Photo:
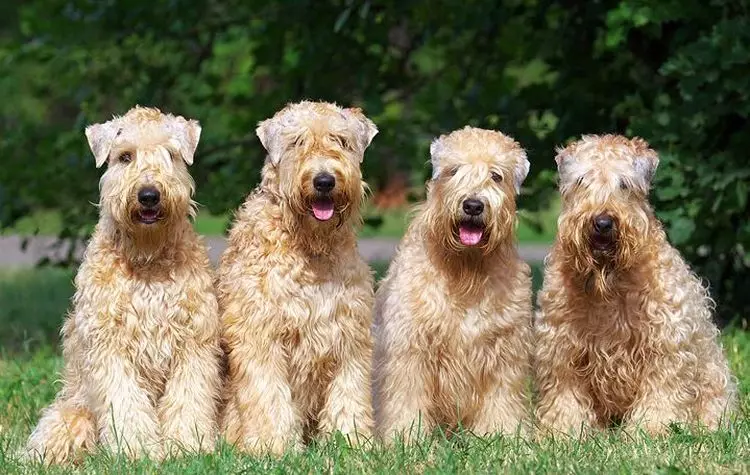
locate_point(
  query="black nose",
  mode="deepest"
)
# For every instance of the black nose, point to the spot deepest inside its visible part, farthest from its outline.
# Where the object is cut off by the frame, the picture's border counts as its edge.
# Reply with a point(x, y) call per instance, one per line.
point(149, 196)
point(324, 182)
point(603, 224)
point(473, 207)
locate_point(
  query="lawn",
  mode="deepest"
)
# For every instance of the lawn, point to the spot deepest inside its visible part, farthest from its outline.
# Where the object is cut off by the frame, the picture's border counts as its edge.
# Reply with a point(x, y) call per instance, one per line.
point(32, 303)
point(388, 225)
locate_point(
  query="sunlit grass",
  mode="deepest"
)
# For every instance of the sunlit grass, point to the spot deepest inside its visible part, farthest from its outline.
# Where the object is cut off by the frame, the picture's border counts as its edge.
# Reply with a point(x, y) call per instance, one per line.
point(33, 302)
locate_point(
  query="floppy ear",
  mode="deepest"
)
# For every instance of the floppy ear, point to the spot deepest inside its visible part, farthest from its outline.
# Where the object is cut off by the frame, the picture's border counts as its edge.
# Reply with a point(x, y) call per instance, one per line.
point(185, 136)
point(562, 156)
point(100, 138)
point(268, 133)
point(646, 161)
point(437, 149)
point(365, 128)
point(521, 171)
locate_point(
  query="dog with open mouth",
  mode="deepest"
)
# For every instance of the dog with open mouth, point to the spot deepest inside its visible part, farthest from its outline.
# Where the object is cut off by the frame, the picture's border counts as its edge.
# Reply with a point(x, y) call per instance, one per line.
point(453, 315)
point(141, 343)
point(624, 331)
point(295, 295)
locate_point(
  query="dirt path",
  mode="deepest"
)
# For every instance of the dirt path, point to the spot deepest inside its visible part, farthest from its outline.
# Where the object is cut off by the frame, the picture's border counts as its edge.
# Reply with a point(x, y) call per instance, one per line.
point(372, 249)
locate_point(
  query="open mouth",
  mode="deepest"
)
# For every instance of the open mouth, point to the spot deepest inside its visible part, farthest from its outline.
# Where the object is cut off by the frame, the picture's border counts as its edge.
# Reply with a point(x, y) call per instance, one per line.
point(149, 215)
point(322, 209)
point(470, 234)
point(600, 242)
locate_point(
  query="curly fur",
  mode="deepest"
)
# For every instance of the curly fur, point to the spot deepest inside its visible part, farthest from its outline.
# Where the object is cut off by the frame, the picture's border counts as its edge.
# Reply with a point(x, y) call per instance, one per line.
point(452, 322)
point(141, 343)
point(295, 296)
point(624, 335)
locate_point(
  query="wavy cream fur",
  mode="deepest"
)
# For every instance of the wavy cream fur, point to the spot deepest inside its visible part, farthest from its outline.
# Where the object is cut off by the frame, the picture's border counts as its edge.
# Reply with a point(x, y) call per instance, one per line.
point(630, 337)
point(295, 296)
point(453, 324)
point(141, 342)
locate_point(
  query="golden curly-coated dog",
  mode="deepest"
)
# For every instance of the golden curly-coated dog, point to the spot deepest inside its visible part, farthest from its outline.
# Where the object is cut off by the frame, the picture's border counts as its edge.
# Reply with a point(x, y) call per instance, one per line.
point(453, 315)
point(295, 296)
point(141, 343)
point(624, 331)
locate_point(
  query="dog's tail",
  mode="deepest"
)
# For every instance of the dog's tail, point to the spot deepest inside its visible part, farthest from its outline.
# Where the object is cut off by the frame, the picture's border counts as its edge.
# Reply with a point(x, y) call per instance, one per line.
point(65, 432)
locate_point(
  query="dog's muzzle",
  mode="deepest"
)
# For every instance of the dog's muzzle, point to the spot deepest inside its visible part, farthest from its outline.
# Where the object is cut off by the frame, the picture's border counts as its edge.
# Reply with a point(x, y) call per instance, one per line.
point(323, 205)
point(149, 199)
point(471, 225)
point(603, 232)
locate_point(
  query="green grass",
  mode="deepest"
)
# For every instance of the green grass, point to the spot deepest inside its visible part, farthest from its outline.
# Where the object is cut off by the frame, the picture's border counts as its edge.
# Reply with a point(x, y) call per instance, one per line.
point(389, 225)
point(32, 303)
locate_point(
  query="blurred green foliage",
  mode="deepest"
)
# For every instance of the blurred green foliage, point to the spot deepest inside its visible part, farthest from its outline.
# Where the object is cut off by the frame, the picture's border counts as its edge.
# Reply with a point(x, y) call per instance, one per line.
point(674, 72)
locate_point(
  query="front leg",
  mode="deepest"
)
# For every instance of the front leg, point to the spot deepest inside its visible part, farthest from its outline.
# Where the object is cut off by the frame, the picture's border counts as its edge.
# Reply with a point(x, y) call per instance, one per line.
point(565, 404)
point(663, 397)
point(403, 403)
point(505, 406)
point(188, 408)
point(126, 417)
point(348, 405)
point(260, 414)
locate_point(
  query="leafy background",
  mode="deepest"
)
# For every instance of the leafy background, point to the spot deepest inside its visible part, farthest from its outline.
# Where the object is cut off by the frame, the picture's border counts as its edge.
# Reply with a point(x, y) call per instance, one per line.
point(673, 72)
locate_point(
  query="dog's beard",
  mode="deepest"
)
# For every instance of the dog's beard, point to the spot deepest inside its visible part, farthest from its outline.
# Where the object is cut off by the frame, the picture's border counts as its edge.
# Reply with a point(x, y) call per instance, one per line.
point(600, 262)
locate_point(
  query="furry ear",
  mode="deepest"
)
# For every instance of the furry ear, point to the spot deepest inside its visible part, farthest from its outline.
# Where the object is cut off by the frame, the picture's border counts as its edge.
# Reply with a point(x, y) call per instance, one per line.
point(185, 136)
point(437, 148)
point(521, 171)
point(646, 161)
point(101, 137)
point(366, 128)
point(561, 157)
point(268, 132)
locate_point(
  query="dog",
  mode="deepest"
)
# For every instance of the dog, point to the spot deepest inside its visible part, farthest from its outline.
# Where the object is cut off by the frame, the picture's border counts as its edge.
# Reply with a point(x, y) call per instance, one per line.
point(295, 296)
point(453, 314)
point(624, 331)
point(142, 342)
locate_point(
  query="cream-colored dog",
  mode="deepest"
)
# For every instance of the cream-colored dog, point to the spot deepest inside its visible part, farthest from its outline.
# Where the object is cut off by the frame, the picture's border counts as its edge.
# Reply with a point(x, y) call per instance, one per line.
point(624, 332)
point(295, 296)
point(141, 343)
point(453, 315)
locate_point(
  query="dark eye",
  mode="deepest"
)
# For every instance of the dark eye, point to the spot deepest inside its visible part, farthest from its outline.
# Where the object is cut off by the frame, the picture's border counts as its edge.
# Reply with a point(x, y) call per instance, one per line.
point(579, 181)
point(496, 177)
point(343, 142)
point(623, 185)
point(451, 172)
point(125, 157)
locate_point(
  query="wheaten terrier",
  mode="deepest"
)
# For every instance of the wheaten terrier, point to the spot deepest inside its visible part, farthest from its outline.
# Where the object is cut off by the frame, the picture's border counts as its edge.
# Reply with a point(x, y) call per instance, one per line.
point(624, 331)
point(295, 296)
point(142, 341)
point(453, 315)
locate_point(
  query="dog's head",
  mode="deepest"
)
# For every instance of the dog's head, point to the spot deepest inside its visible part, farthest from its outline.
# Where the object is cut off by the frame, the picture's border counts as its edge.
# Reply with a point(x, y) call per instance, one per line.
point(147, 186)
point(471, 202)
point(315, 150)
point(604, 183)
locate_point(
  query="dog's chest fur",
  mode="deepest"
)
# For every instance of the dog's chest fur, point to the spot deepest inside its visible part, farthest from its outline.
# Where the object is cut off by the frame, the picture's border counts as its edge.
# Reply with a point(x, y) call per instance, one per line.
point(321, 306)
point(613, 358)
point(143, 318)
point(460, 346)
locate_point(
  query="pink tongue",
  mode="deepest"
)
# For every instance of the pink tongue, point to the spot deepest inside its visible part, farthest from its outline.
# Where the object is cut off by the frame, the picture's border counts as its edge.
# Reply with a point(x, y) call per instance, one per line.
point(470, 236)
point(323, 210)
